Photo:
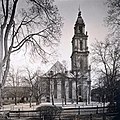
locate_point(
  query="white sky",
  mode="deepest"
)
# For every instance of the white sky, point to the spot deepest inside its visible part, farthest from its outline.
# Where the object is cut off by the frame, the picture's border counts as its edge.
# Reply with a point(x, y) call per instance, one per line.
point(93, 13)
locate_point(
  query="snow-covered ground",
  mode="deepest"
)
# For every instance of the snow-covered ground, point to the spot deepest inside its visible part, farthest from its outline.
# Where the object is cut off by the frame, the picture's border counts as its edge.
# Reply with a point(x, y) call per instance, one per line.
point(26, 106)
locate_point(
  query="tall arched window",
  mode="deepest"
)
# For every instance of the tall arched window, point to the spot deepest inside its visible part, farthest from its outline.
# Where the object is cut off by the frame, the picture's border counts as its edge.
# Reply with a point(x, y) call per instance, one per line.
point(81, 45)
point(80, 29)
point(81, 64)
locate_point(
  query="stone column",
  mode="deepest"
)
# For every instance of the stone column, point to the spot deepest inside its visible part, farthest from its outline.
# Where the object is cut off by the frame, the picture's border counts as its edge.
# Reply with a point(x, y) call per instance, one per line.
point(89, 85)
point(55, 88)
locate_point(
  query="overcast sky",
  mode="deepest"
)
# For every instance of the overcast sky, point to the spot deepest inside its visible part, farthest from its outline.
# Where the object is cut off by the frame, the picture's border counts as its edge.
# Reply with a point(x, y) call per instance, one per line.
point(93, 13)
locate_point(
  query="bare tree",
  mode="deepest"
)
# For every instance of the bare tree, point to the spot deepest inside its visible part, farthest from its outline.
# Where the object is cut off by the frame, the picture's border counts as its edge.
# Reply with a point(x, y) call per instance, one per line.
point(64, 74)
point(33, 23)
point(39, 89)
point(29, 80)
point(113, 16)
point(13, 83)
point(36, 85)
point(106, 57)
point(113, 19)
point(100, 88)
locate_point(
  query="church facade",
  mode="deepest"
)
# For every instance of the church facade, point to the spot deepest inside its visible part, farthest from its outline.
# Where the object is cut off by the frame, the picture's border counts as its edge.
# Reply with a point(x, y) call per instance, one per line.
point(73, 85)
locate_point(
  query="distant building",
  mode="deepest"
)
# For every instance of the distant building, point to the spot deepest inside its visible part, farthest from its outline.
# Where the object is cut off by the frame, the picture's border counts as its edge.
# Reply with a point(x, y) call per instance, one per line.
point(17, 94)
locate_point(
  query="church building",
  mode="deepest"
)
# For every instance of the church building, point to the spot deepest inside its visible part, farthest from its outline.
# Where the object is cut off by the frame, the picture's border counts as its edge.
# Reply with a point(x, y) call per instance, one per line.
point(79, 60)
point(73, 85)
point(60, 84)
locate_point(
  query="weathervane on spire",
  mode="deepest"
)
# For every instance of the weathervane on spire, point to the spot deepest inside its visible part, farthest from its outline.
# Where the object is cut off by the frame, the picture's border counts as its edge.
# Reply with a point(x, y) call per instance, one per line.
point(79, 8)
point(79, 14)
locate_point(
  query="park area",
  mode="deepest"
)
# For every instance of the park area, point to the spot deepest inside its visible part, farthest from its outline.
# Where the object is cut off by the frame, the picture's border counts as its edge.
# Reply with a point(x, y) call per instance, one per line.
point(47, 111)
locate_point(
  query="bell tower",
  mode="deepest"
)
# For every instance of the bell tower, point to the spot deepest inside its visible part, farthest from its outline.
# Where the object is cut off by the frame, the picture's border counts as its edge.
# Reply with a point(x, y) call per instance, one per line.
point(79, 57)
point(79, 60)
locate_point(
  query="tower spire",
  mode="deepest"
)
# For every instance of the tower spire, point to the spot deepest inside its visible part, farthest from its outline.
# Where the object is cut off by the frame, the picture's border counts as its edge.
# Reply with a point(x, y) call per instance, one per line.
point(79, 12)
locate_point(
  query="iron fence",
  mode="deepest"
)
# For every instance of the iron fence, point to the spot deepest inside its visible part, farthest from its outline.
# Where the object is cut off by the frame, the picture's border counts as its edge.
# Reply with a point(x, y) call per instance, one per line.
point(87, 113)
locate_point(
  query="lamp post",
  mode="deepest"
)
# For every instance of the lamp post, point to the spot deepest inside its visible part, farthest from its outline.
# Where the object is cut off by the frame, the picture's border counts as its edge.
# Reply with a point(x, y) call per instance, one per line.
point(30, 99)
point(0, 94)
point(78, 83)
point(89, 85)
point(51, 88)
point(76, 80)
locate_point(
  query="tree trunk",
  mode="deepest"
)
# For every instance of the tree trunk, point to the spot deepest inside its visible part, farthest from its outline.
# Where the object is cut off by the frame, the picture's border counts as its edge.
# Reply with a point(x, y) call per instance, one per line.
point(30, 101)
point(52, 99)
point(37, 101)
point(15, 100)
point(0, 96)
point(65, 97)
point(1, 57)
point(40, 99)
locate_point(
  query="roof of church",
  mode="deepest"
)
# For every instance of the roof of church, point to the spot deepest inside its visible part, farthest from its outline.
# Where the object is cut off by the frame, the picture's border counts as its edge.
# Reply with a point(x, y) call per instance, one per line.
point(58, 68)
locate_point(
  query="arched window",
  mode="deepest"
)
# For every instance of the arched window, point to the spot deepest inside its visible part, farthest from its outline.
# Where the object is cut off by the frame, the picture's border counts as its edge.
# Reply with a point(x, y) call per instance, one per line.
point(81, 64)
point(81, 45)
point(80, 29)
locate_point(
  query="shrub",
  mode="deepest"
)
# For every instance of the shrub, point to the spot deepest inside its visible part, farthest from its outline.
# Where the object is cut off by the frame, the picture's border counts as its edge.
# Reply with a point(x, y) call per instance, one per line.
point(49, 112)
